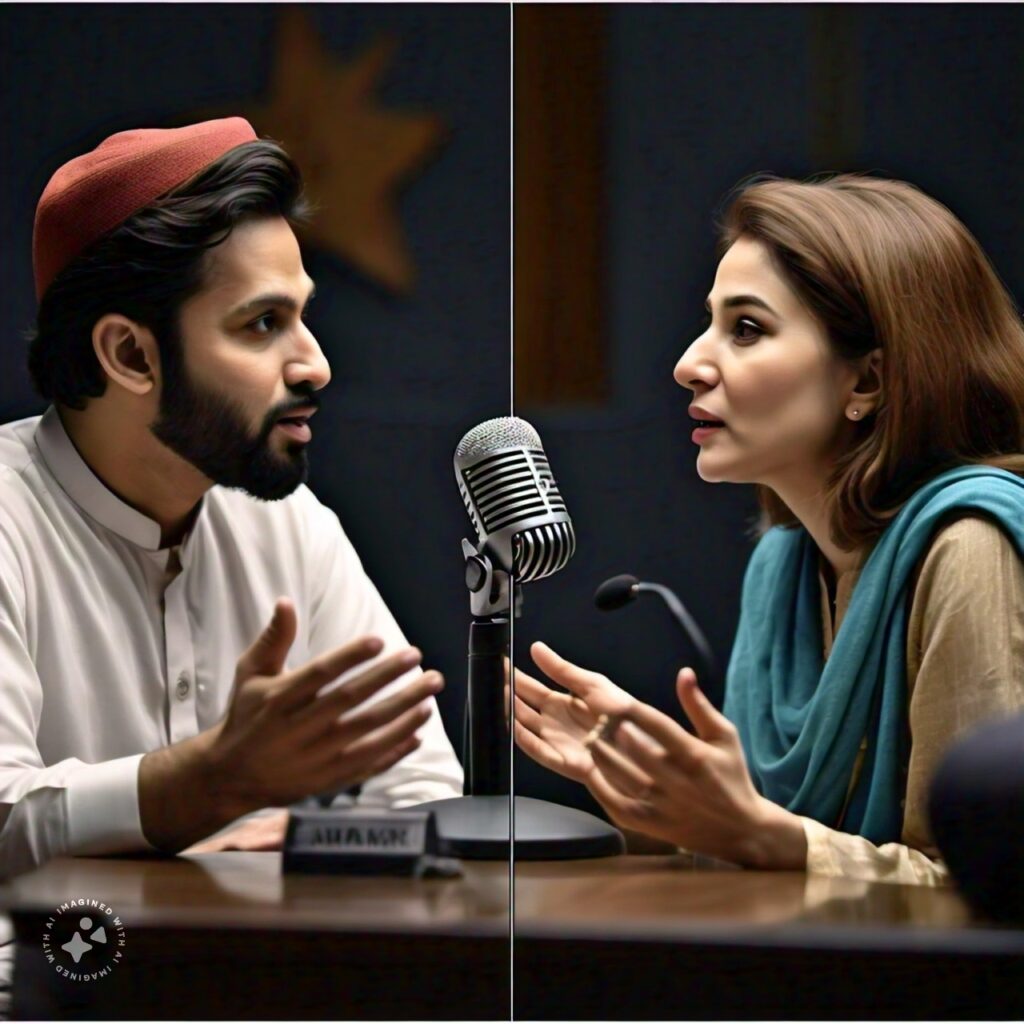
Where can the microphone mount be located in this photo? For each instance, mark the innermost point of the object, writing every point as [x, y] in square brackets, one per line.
[491, 591]
[621, 590]
[524, 533]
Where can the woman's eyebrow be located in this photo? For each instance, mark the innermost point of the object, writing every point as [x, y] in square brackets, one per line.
[741, 300]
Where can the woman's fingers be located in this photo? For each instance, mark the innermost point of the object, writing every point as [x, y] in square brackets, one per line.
[527, 716]
[709, 722]
[600, 693]
[530, 690]
[623, 809]
[623, 774]
[559, 707]
[670, 734]
[648, 756]
[575, 679]
[540, 751]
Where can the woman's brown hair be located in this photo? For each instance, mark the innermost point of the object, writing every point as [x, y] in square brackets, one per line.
[882, 265]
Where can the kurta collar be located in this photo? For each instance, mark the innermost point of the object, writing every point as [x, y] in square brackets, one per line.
[87, 490]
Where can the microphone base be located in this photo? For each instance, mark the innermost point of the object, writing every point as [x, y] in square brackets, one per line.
[476, 828]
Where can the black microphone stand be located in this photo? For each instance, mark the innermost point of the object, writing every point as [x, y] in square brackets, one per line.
[476, 825]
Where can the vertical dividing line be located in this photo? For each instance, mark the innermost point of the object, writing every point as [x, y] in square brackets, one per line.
[512, 580]
[511, 209]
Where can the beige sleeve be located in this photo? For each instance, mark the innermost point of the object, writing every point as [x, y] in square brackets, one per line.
[841, 855]
[965, 664]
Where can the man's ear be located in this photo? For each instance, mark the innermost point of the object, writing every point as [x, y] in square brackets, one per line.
[867, 394]
[127, 352]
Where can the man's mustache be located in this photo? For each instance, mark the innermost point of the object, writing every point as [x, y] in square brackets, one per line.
[286, 408]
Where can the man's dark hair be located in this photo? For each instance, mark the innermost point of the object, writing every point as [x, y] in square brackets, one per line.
[147, 267]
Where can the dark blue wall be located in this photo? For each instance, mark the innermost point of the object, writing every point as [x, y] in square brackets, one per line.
[701, 96]
[410, 375]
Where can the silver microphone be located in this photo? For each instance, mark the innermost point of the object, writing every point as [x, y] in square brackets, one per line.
[513, 500]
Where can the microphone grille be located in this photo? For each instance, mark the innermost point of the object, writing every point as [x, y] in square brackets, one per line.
[493, 435]
[542, 550]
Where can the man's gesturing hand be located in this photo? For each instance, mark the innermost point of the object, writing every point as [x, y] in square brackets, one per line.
[280, 739]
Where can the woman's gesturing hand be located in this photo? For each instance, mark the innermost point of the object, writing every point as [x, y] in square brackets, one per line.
[649, 773]
[553, 727]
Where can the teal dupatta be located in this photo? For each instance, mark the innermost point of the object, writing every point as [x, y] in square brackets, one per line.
[801, 720]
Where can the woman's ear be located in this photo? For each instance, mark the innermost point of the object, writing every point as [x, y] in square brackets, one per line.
[867, 393]
[127, 352]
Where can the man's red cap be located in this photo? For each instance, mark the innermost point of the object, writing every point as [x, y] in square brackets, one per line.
[97, 191]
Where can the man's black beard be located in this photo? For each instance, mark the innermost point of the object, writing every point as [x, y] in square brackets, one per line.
[210, 431]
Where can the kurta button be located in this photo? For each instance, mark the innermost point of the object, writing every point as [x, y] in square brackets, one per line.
[183, 686]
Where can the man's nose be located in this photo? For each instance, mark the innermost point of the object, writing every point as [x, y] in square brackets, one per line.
[309, 364]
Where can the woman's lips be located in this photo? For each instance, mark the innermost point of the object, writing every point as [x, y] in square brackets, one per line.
[701, 434]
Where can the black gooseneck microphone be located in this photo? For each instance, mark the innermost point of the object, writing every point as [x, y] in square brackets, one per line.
[621, 590]
[524, 533]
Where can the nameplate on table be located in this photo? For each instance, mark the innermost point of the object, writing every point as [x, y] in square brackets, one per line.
[363, 842]
[363, 837]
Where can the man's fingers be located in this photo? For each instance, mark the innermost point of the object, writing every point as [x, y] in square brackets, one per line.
[301, 686]
[390, 759]
[380, 713]
[371, 747]
[265, 832]
[267, 654]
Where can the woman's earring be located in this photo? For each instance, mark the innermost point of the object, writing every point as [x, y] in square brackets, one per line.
[855, 413]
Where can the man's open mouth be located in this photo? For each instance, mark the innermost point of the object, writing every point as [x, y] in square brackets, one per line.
[296, 427]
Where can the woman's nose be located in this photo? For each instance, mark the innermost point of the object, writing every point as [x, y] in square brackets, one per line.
[696, 368]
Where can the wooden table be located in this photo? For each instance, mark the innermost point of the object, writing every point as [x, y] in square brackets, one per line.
[227, 936]
[652, 938]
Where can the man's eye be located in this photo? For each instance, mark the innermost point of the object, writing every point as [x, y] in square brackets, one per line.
[264, 324]
[747, 330]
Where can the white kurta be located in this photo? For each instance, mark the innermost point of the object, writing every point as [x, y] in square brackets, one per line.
[102, 660]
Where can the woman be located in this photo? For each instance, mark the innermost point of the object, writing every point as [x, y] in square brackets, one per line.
[864, 367]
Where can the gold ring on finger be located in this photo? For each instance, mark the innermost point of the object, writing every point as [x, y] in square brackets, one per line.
[603, 730]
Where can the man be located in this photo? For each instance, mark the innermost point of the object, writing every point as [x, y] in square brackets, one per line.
[175, 606]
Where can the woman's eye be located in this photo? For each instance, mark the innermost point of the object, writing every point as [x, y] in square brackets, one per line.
[747, 330]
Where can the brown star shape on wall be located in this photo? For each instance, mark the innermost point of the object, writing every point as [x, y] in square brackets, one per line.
[354, 154]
